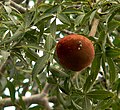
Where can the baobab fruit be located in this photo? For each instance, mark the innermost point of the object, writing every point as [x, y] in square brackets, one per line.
[75, 52]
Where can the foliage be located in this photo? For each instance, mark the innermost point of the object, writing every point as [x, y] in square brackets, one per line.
[27, 43]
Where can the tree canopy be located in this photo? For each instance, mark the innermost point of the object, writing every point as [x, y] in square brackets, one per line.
[28, 64]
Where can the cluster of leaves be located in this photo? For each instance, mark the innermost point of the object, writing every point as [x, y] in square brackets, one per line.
[27, 43]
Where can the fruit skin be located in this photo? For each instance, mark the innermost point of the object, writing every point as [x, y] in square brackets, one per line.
[75, 52]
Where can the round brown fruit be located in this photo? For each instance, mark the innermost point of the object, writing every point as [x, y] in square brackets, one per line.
[75, 52]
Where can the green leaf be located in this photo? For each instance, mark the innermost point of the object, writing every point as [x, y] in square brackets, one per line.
[56, 72]
[33, 46]
[43, 7]
[112, 52]
[112, 70]
[51, 80]
[102, 40]
[110, 17]
[16, 36]
[71, 10]
[31, 54]
[118, 89]
[100, 94]
[64, 89]
[38, 83]
[113, 11]
[3, 83]
[21, 102]
[42, 77]
[115, 105]
[79, 19]
[41, 28]
[104, 104]
[40, 65]
[94, 72]
[53, 28]
[112, 25]
[49, 43]
[12, 90]
[77, 93]
[86, 17]
[8, 9]
[86, 104]
[52, 9]
[86, 30]
[116, 41]
[42, 17]
[104, 63]
[60, 98]
[28, 19]
[61, 27]
[64, 18]
[66, 86]
[76, 106]
[92, 16]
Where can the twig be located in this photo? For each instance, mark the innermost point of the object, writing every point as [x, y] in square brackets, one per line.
[67, 32]
[94, 27]
[46, 88]
[18, 7]
[18, 1]
[34, 99]
[37, 98]
[46, 104]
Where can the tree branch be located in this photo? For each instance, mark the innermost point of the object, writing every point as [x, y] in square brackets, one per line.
[94, 27]
[18, 1]
[67, 32]
[18, 7]
[34, 99]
